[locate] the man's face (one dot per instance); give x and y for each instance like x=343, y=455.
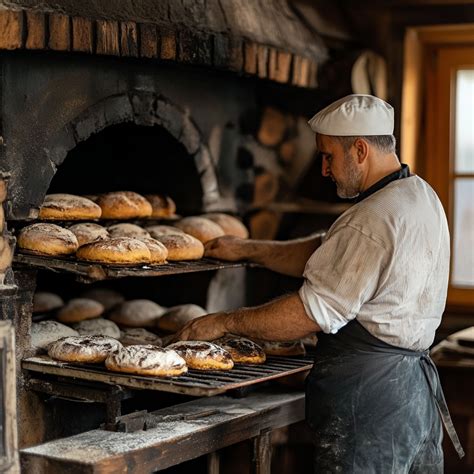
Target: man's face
x=342, y=167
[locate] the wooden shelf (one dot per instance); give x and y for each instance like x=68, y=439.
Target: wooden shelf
x=89, y=272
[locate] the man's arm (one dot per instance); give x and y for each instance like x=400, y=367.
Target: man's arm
x=283, y=319
x=288, y=257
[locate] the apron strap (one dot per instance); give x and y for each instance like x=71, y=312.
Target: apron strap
x=428, y=367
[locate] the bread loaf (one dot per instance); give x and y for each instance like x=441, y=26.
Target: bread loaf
x=47, y=239
x=158, y=251
x=44, y=301
x=68, y=207
x=97, y=327
x=176, y=317
x=229, y=224
x=181, y=246
x=202, y=355
x=106, y=297
x=116, y=251
x=79, y=309
x=124, y=205
x=200, y=227
x=242, y=350
x=46, y=332
x=162, y=206
x=137, y=313
x=125, y=229
x=157, y=230
x=87, y=232
x=134, y=336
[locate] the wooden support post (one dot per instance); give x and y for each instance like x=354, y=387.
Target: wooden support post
x=213, y=463
x=262, y=454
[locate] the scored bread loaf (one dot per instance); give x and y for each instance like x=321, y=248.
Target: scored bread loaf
x=147, y=360
x=125, y=229
x=107, y=297
x=203, y=355
x=87, y=232
x=158, y=252
x=229, y=224
x=134, y=336
x=44, y=301
x=97, y=327
x=123, y=205
x=162, y=206
x=47, y=239
x=200, y=227
x=116, y=251
x=79, y=309
x=68, y=207
x=46, y=332
x=176, y=317
x=242, y=350
x=86, y=349
x=137, y=313
x=181, y=246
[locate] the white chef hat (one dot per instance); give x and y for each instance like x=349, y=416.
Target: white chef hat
x=355, y=115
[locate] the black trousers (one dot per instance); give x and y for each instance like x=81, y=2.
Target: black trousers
x=370, y=407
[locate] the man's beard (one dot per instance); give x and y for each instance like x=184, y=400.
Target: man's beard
x=350, y=188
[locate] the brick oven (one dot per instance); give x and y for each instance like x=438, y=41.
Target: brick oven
x=180, y=97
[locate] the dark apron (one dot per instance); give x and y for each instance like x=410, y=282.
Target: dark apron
x=374, y=407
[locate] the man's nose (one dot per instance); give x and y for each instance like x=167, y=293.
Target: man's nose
x=325, y=168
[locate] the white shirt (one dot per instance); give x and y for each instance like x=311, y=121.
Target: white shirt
x=386, y=262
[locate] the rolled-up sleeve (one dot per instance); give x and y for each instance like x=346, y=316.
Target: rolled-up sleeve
x=341, y=276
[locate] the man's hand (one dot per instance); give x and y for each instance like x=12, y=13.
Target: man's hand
x=205, y=328
x=226, y=248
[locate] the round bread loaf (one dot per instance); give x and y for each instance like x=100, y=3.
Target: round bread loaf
x=68, y=207
x=242, y=350
x=157, y=230
x=47, y=239
x=97, y=327
x=44, y=301
x=123, y=205
x=162, y=206
x=201, y=228
x=283, y=348
x=87, y=232
x=46, y=332
x=147, y=360
x=125, y=229
x=202, y=355
x=181, y=246
x=108, y=298
x=134, y=336
x=229, y=224
x=176, y=317
x=137, y=313
x=79, y=309
x=116, y=251
x=158, y=251
x=87, y=349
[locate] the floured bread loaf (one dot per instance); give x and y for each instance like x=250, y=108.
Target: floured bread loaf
x=147, y=360
x=157, y=230
x=115, y=251
x=200, y=227
x=203, y=355
x=158, y=251
x=176, y=317
x=124, y=205
x=229, y=224
x=162, y=206
x=125, y=229
x=43, y=302
x=108, y=298
x=242, y=350
x=137, y=313
x=181, y=246
x=47, y=239
x=97, y=327
x=88, y=349
x=46, y=332
x=79, y=309
x=134, y=336
x=283, y=348
x=68, y=207
x=87, y=232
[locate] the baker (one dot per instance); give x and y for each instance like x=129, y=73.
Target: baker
x=374, y=289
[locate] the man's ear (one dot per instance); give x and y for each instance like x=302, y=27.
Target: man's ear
x=362, y=149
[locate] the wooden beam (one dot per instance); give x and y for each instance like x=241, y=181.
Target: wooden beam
x=250, y=58
x=82, y=35
x=168, y=44
x=262, y=61
x=35, y=30
x=107, y=37
x=11, y=28
x=59, y=32
x=128, y=39
x=148, y=41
